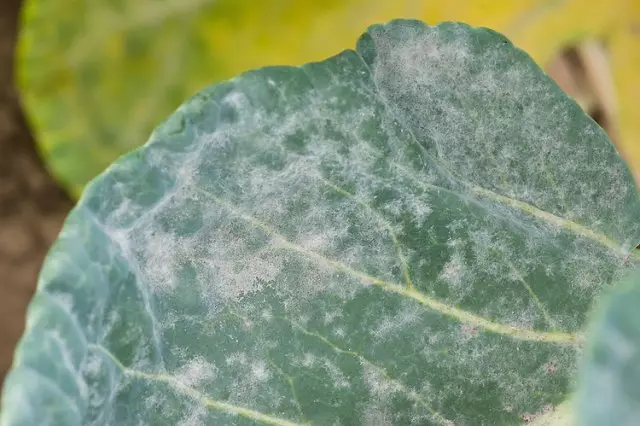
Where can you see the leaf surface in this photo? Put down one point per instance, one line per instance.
(610, 381)
(97, 76)
(410, 232)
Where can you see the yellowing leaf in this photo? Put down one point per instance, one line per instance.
(97, 76)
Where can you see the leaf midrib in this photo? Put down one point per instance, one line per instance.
(405, 291)
(548, 217)
(189, 391)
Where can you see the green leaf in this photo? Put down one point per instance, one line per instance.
(96, 76)
(409, 233)
(610, 379)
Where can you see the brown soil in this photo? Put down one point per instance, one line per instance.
(32, 207)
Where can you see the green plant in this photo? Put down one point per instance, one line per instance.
(413, 232)
(96, 76)
(610, 379)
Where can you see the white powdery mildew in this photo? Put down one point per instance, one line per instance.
(587, 267)
(266, 315)
(317, 241)
(419, 65)
(480, 363)
(270, 191)
(339, 332)
(232, 261)
(194, 416)
(515, 313)
(419, 208)
(253, 381)
(517, 392)
(379, 386)
(331, 316)
(225, 265)
(586, 278)
(196, 372)
(316, 230)
(92, 365)
(154, 402)
(383, 389)
(322, 228)
(373, 416)
(484, 245)
(237, 100)
(508, 268)
(394, 207)
(315, 237)
(407, 317)
(505, 128)
(454, 272)
(308, 360)
(232, 269)
(248, 117)
(162, 255)
(260, 372)
(237, 359)
(227, 268)
(335, 374)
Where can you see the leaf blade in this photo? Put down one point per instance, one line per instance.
(218, 257)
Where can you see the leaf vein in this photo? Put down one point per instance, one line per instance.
(410, 293)
(384, 223)
(193, 393)
(411, 394)
(533, 295)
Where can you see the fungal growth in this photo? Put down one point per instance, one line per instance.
(412, 232)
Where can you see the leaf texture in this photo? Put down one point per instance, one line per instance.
(97, 76)
(412, 232)
(610, 380)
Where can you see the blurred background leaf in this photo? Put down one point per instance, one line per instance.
(97, 76)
